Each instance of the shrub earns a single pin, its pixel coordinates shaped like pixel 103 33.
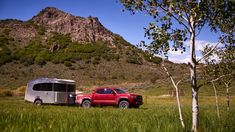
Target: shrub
pixel 3 40
pixel 40 30
pixel 134 60
pixel 27 60
pixel 20 91
pixel 42 58
pixel 150 58
pixel 61 57
pixel 7 31
pixel 61 39
pixel 111 56
pixel 120 41
pixel 67 63
pixel 5 54
pixel 7 93
pixel 96 60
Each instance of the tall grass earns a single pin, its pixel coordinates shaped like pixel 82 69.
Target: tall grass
pixel 16 115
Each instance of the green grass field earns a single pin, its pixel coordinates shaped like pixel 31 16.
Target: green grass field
pixel 160 114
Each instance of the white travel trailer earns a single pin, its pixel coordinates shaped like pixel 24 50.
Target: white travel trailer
pixel 50 91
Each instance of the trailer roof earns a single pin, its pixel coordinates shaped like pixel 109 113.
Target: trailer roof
pixel 55 80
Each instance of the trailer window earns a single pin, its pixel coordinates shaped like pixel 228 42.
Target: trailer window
pixel 59 87
pixel 37 87
pixel 71 88
pixel 43 87
pixel 46 87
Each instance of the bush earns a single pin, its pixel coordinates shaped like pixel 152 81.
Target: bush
pixel 42 58
pixel 67 63
pixel 40 61
pixel 29 53
pixel 19 91
pixel 150 58
pixel 7 31
pixel 3 40
pixel 27 60
pixel 61 39
pixel 111 56
pixel 7 93
pixel 134 60
pixel 40 30
pixel 96 60
pixel 120 41
pixel 5 54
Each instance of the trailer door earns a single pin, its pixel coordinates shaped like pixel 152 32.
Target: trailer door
pixel 48 94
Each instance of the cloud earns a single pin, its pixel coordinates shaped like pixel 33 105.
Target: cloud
pixel 200 44
pixel 178 52
pixel 178 57
pixel 179 60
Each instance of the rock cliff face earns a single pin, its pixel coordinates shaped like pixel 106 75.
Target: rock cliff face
pixel 79 28
pixel 19 30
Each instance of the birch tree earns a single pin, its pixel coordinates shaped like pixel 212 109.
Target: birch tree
pixel 177 21
pixel 220 69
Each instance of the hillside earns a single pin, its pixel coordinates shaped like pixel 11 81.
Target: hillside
pixel 57 44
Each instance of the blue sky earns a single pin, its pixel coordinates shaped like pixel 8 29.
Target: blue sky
pixel 109 13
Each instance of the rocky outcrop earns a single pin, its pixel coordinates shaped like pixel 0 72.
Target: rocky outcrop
pixel 19 30
pixel 79 28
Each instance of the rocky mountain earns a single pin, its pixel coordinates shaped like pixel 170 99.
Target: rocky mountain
pixel 57 44
pixel 79 28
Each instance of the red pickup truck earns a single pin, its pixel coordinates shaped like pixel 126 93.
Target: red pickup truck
pixel 110 97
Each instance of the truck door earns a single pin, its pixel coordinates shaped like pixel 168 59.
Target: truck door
pixel 104 97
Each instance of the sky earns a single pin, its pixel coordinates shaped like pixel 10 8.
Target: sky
pixel 109 13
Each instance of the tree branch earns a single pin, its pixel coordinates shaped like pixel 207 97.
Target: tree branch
pixel 208 52
pixel 214 80
pixel 176 18
pixel 178 82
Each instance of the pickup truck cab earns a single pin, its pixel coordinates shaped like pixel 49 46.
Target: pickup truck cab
pixel 109 97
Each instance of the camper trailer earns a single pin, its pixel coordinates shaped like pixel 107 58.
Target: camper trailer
pixel 50 91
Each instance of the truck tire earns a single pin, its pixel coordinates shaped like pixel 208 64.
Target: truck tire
pixel 124 104
pixel 86 104
pixel 38 102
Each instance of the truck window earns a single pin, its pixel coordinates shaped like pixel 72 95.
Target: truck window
pixel 100 91
pixel 109 91
pixel 104 91
pixel 119 91
pixel 59 87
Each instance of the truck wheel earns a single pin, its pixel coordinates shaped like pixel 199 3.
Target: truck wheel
pixel 38 102
pixel 86 104
pixel 124 104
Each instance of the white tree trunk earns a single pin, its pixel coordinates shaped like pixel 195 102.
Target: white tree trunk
pixel 177 95
pixel 216 100
pixel 193 77
pixel 227 95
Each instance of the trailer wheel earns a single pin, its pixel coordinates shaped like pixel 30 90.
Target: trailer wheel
pixel 86 104
pixel 123 104
pixel 38 102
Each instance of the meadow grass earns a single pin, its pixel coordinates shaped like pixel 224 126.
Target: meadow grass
pixel 158 115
